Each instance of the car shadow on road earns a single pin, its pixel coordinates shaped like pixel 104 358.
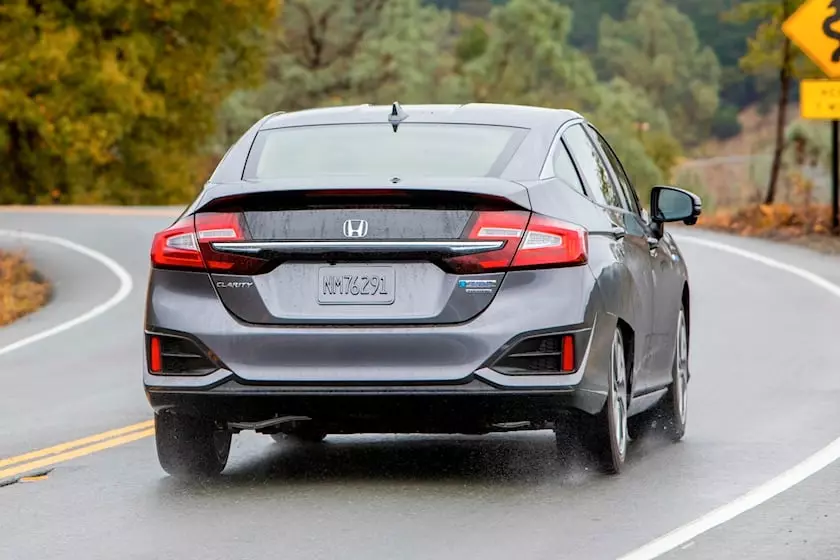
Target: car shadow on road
pixel 513 460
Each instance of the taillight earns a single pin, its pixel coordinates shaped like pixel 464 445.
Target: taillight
pixel 187 245
pixel 531 241
pixel 176 247
pixel 550 242
pixel 493 226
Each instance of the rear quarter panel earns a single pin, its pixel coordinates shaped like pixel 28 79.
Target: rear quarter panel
pixel 615 283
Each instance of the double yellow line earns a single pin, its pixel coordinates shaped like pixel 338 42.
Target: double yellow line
pixel 43 458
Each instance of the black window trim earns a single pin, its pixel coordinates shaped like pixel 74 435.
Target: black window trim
pixel 584 191
pixel 583 124
pixel 637 203
pixel 587 128
pixel 547 170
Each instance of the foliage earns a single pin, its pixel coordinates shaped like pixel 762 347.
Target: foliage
pixel 334 52
pixel 771 220
pixel 621 110
pixel 130 101
pixel 472 42
pixel 765 45
pixel 770 52
pixel 726 37
pixel 725 122
pixel 22 291
pixel 809 143
pixel 657 48
pixel 528 60
pixel 111 100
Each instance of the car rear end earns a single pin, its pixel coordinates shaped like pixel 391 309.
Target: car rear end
pixel 392 300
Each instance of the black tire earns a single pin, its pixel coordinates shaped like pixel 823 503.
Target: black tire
pixel 190 447
pixel 604 436
pixel 670 415
pixel 304 433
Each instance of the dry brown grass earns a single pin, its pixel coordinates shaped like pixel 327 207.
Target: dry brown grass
pixel 806 225
pixel 771 220
pixel 757 134
pixel 22 290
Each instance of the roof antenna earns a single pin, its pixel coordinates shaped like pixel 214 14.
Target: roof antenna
pixel 397 115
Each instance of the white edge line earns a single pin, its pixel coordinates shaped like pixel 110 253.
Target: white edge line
pixel 774 486
pixel 124 277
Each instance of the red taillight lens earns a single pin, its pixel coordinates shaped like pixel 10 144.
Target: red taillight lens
pixel 217 227
pixel 531 241
pixel 187 244
pixel 549 242
pixel 176 247
pixel 493 226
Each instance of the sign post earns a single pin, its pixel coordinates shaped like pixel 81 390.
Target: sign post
pixel 835 174
pixel 814 29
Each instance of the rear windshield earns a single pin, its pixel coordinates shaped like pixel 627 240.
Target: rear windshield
pixel 436 150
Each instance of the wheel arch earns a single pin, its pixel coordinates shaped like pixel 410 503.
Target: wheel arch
pixel 629 337
pixel 686 302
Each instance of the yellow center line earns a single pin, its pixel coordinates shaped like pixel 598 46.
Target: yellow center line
pixel 73 444
pixel 75 453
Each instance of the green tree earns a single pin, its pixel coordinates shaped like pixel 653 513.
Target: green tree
pixel 639 131
pixel 472 42
pixel 656 47
pixel 771 53
pixel 112 100
pixel 528 59
pixel 335 52
pixel 588 14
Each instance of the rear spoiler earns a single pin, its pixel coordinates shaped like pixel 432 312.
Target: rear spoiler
pixel 214 194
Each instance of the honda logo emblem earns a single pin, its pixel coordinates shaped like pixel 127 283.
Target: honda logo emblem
pixel 355 228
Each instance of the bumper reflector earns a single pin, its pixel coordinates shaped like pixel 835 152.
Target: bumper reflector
pixel 155 357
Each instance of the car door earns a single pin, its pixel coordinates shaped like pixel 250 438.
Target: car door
pixel 627 294
pixel 662 272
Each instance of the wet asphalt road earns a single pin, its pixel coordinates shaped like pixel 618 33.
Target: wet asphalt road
pixel 763 396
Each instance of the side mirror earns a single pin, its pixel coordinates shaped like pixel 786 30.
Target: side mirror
pixel 670 204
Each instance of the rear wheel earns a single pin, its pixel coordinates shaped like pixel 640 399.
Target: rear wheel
pixel 606 434
pixel 669 417
pixel 190 447
pixel 304 433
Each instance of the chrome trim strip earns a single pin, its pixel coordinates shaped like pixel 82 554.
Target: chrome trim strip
pixel 315 247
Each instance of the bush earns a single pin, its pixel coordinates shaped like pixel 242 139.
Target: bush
pixel 725 123
pixel 22 291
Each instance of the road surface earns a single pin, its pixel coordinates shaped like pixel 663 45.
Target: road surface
pixel 764 397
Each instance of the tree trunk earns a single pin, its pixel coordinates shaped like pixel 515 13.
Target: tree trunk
pixel 781 116
pixel 21 176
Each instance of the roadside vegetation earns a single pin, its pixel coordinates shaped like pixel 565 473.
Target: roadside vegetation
pixel 134 101
pixel 22 290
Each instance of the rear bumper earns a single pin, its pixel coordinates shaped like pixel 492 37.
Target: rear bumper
pixel 399 408
pixel 284 369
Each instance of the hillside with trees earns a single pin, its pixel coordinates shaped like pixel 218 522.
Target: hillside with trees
pixel 132 101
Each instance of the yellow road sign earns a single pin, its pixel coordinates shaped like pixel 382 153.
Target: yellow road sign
pixel 819 99
pixel 815 28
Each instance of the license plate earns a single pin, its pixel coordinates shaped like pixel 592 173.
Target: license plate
pixel 345 285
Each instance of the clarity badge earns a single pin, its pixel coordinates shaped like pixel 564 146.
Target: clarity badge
pixel 480 286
